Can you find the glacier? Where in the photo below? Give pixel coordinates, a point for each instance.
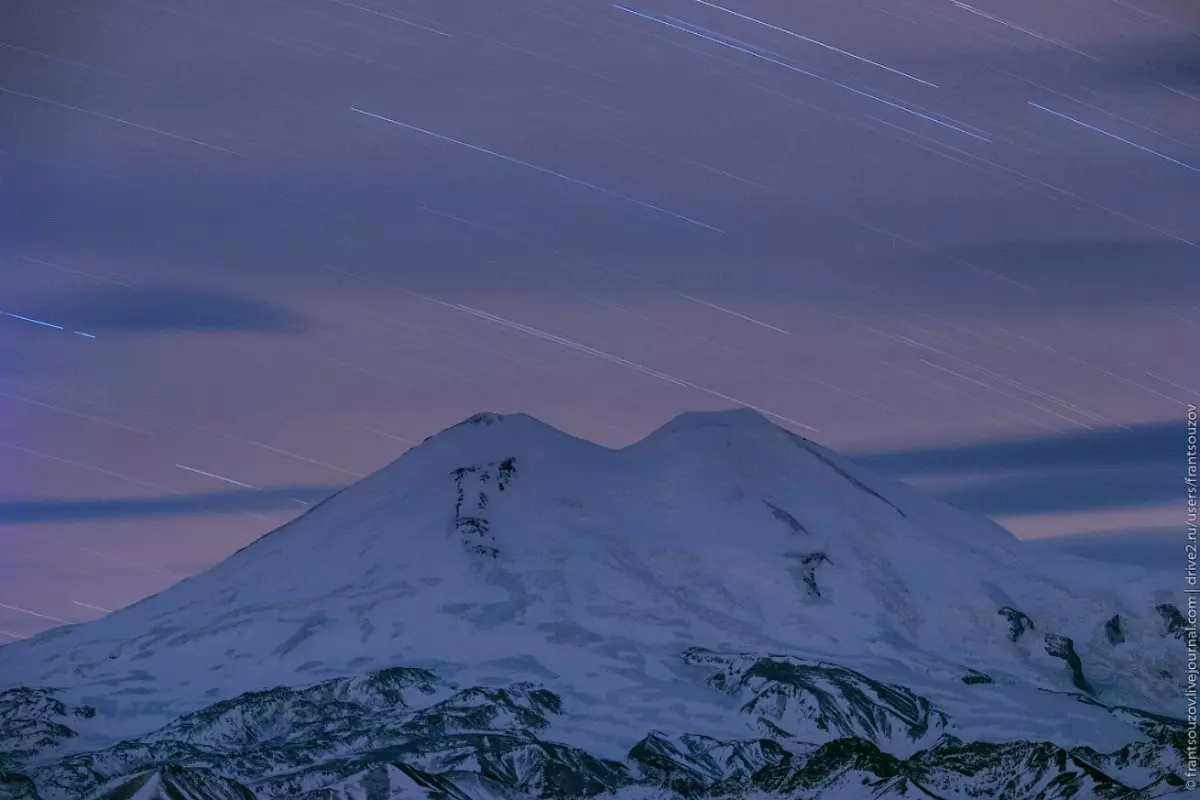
(722, 609)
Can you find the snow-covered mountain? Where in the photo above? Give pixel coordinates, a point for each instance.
(722, 609)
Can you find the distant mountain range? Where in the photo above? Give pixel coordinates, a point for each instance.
(721, 610)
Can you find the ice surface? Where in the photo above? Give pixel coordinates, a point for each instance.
(503, 551)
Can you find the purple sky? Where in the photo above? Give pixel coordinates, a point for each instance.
(253, 249)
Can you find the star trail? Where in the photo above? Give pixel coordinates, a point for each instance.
(255, 249)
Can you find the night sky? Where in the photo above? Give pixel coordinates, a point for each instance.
(251, 250)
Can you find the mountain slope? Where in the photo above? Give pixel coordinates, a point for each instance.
(522, 609)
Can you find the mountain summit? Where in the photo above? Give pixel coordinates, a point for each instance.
(506, 610)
